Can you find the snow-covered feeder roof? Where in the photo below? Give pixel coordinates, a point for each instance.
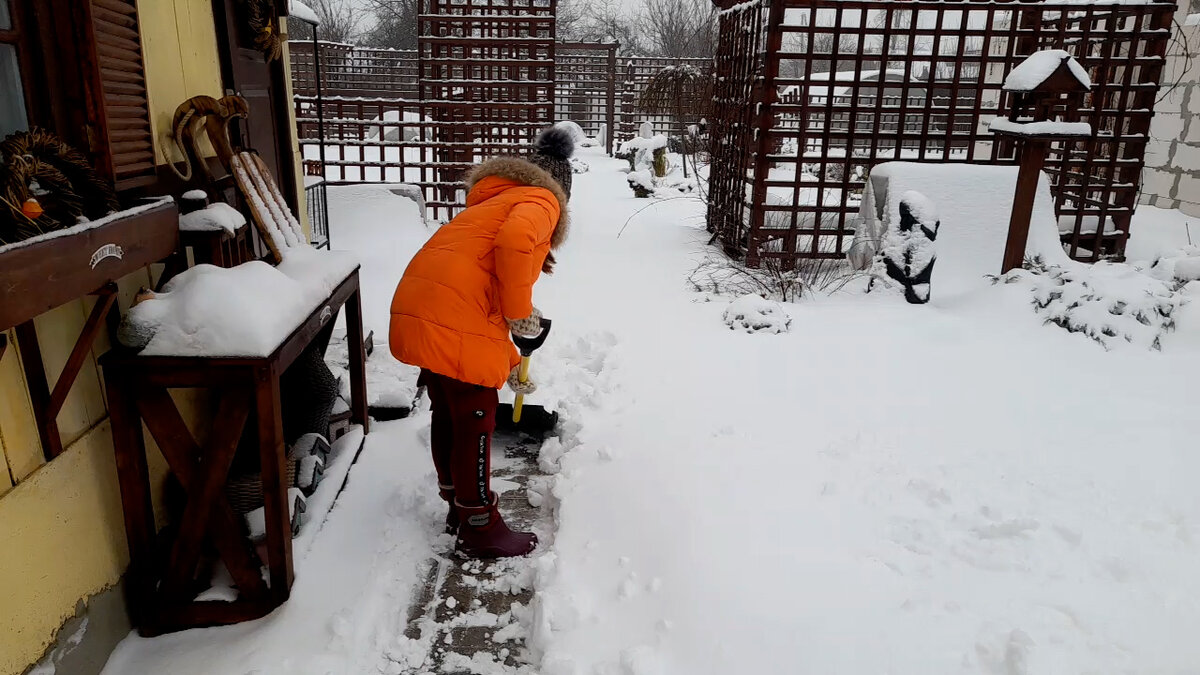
(298, 10)
(1050, 71)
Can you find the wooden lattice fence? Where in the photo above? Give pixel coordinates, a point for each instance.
(812, 93)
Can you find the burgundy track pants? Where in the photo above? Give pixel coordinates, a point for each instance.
(464, 419)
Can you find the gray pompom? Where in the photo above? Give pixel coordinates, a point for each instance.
(555, 142)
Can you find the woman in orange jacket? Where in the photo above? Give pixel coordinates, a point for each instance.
(461, 297)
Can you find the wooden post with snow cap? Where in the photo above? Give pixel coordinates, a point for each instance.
(1044, 81)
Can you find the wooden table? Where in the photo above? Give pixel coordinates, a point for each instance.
(162, 588)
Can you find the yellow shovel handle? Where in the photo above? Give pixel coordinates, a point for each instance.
(522, 377)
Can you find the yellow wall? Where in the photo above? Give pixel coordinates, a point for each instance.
(179, 48)
(62, 536)
(61, 531)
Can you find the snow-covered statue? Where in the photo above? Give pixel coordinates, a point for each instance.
(907, 253)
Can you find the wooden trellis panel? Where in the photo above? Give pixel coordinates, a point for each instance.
(586, 86)
(847, 84)
(486, 80)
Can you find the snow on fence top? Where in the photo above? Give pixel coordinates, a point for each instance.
(298, 10)
(1043, 128)
(1033, 71)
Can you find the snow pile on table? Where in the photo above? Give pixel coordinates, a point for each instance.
(908, 253)
(1034, 70)
(974, 202)
(1042, 128)
(756, 314)
(1111, 303)
(215, 217)
(246, 310)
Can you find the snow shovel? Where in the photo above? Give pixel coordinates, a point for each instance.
(532, 420)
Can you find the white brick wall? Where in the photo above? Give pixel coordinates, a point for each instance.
(1172, 175)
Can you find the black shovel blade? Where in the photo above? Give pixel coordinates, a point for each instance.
(535, 420)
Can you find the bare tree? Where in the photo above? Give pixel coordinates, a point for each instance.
(395, 24)
(341, 21)
(602, 21)
(680, 28)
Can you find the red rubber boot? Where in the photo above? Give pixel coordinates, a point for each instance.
(482, 533)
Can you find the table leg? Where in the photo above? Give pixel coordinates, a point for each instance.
(273, 458)
(358, 358)
(133, 476)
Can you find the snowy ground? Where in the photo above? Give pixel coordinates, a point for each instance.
(953, 488)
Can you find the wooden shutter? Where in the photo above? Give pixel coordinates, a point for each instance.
(126, 115)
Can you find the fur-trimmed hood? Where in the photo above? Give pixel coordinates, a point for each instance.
(526, 173)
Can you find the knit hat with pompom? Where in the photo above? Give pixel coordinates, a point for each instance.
(552, 150)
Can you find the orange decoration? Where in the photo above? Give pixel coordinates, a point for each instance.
(32, 209)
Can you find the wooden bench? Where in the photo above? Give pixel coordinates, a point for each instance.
(247, 390)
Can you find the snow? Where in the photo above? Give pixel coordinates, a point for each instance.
(246, 310)
(215, 217)
(388, 126)
(755, 314)
(576, 131)
(1113, 304)
(640, 144)
(298, 10)
(195, 194)
(1156, 232)
(1033, 71)
(1043, 128)
(945, 489)
(974, 202)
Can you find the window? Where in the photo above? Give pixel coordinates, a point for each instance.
(13, 116)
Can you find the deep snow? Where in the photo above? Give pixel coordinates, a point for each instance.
(947, 488)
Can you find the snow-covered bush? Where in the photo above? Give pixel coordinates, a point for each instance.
(1111, 303)
(906, 254)
(755, 314)
(645, 153)
(641, 182)
(1180, 267)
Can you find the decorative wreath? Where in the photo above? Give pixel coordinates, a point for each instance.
(261, 15)
(38, 165)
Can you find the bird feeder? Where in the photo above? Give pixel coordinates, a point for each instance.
(1043, 88)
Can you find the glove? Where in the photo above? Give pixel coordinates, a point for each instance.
(519, 387)
(530, 326)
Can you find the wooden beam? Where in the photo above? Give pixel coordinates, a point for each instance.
(180, 449)
(211, 470)
(358, 358)
(91, 329)
(39, 391)
(133, 476)
(274, 479)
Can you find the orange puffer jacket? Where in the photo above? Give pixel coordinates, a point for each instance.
(449, 309)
